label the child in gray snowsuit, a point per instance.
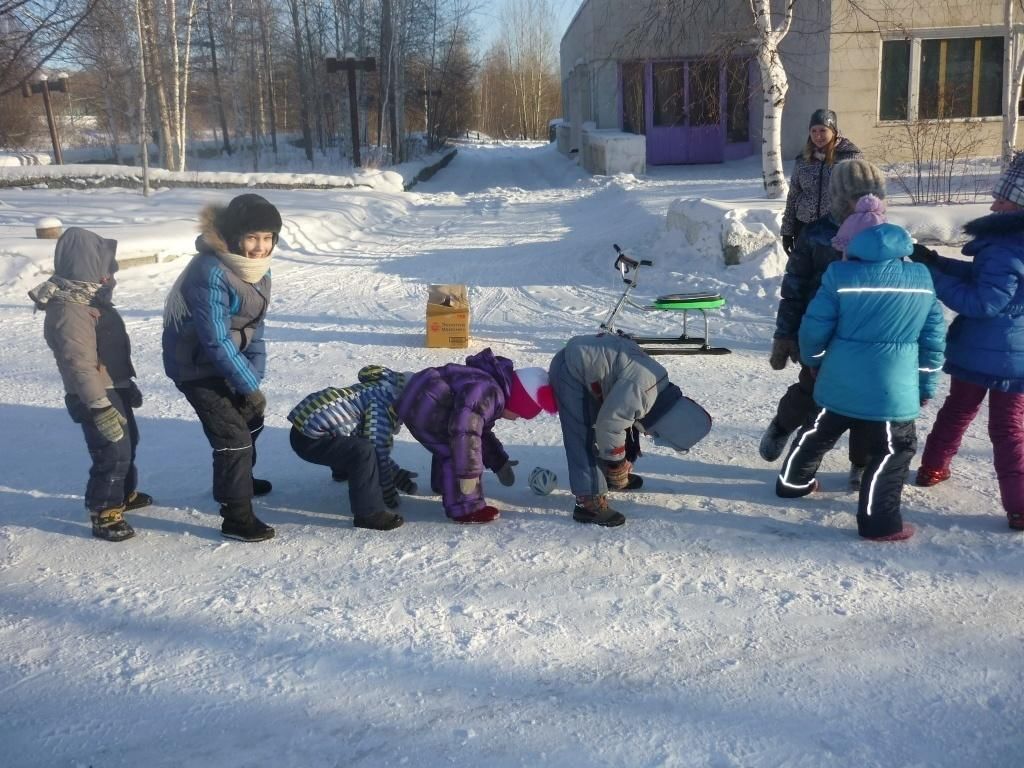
(90, 344)
(608, 389)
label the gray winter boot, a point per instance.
(773, 441)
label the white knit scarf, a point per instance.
(248, 270)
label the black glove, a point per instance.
(133, 396)
(109, 422)
(788, 241)
(404, 481)
(784, 350)
(507, 475)
(923, 255)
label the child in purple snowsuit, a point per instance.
(452, 411)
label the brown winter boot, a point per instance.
(595, 509)
(110, 525)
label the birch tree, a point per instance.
(1013, 73)
(774, 85)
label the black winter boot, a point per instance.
(773, 441)
(261, 487)
(595, 509)
(110, 525)
(240, 523)
(378, 521)
(137, 500)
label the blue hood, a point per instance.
(884, 242)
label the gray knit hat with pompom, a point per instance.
(850, 181)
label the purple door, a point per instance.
(684, 112)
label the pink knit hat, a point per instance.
(531, 393)
(869, 212)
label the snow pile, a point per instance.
(16, 159)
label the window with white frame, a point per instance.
(941, 78)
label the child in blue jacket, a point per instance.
(351, 430)
(875, 334)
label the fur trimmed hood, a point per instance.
(996, 224)
(210, 237)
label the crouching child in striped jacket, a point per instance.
(875, 335)
(351, 430)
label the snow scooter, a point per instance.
(684, 344)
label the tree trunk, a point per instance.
(774, 85)
(154, 68)
(218, 94)
(304, 95)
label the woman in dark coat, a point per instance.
(808, 198)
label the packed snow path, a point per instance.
(719, 627)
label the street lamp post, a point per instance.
(44, 87)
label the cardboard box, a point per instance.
(448, 316)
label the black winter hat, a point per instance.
(824, 117)
(245, 214)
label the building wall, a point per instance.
(832, 56)
(855, 64)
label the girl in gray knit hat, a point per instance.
(808, 197)
(850, 180)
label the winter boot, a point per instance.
(261, 487)
(1016, 520)
(595, 509)
(482, 515)
(929, 477)
(855, 477)
(633, 482)
(788, 492)
(137, 500)
(901, 535)
(110, 525)
(378, 521)
(240, 523)
(773, 441)
(339, 476)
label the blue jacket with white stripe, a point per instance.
(222, 334)
(986, 340)
(875, 330)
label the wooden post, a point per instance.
(349, 65)
(43, 86)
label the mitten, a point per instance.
(109, 422)
(617, 474)
(788, 241)
(923, 255)
(404, 481)
(391, 498)
(468, 484)
(134, 396)
(784, 350)
(506, 475)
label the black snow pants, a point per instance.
(112, 476)
(890, 445)
(797, 405)
(350, 457)
(232, 432)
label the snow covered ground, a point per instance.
(719, 627)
